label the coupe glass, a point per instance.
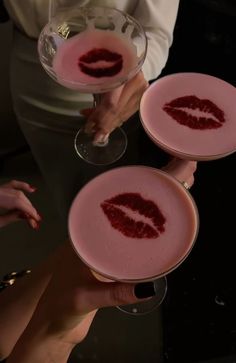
(92, 50)
(191, 116)
(121, 243)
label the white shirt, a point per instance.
(157, 17)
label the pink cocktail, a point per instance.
(191, 115)
(93, 50)
(94, 57)
(133, 224)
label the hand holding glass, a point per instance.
(134, 224)
(93, 50)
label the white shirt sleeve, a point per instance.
(158, 18)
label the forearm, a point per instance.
(18, 302)
(158, 19)
(39, 348)
(40, 343)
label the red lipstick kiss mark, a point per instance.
(128, 226)
(114, 60)
(194, 103)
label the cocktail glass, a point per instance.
(134, 224)
(93, 50)
(191, 116)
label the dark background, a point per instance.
(199, 319)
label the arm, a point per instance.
(18, 302)
(66, 310)
(158, 18)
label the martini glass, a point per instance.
(191, 116)
(134, 224)
(93, 50)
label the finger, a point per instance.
(102, 120)
(90, 126)
(32, 222)
(23, 204)
(105, 120)
(182, 170)
(103, 111)
(9, 218)
(112, 98)
(193, 165)
(100, 139)
(13, 199)
(171, 161)
(16, 184)
(190, 181)
(92, 123)
(136, 86)
(113, 294)
(116, 107)
(16, 216)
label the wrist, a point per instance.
(38, 345)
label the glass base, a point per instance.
(106, 154)
(145, 307)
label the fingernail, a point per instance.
(33, 223)
(33, 188)
(39, 215)
(36, 226)
(144, 290)
(101, 140)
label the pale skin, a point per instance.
(38, 323)
(15, 205)
(115, 108)
(62, 320)
(183, 170)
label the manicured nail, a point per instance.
(33, 188)
(36, 226)
(101, 140)
(33, 223)
(144, 290)
(40, 216)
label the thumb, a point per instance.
(8, 218)
(116, 293)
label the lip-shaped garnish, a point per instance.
(127, 225)
(113, 63)
(175, 110)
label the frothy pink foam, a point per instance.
(192, 114)
(112, 253)
(92, 57)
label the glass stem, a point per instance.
(96, 101)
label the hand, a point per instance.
(67, 308)
(70, 313)
(183, 170)
(115, 108)
(15, 205)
